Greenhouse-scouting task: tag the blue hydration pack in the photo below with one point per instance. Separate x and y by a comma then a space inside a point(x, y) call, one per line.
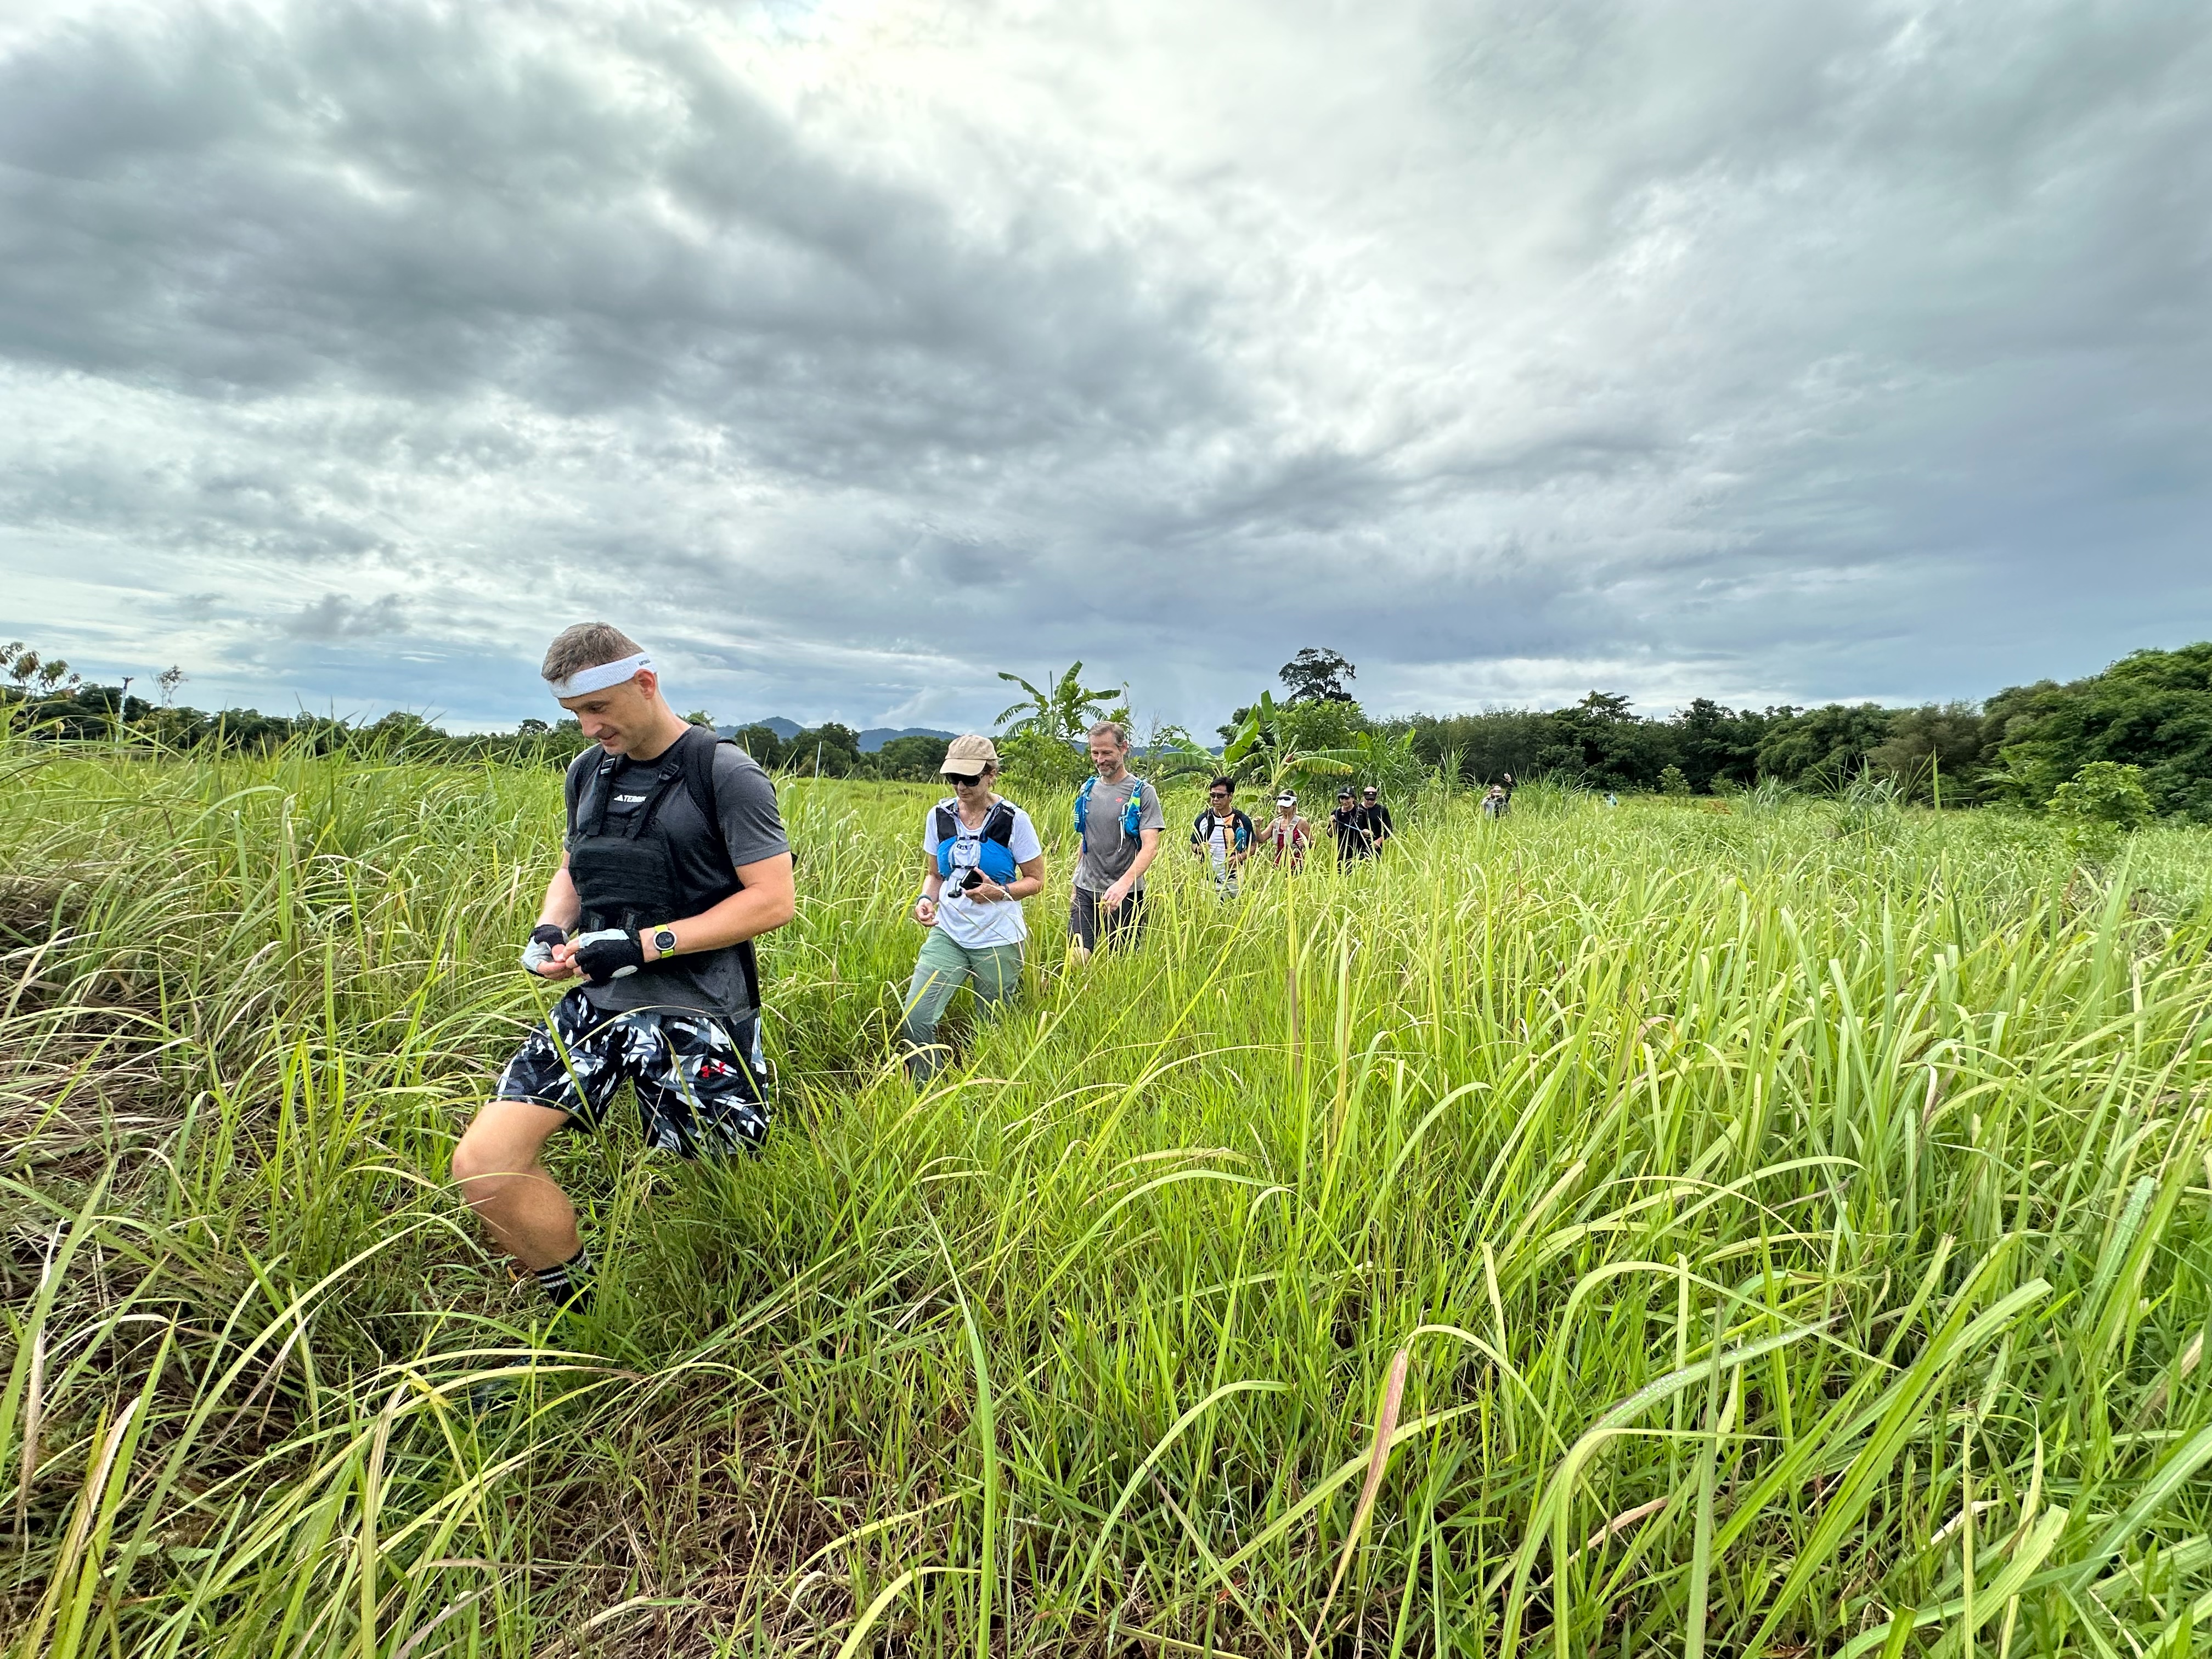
point(994, 854)
point(1133, 810)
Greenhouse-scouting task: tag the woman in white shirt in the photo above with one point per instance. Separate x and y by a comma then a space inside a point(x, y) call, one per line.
point(984, 858)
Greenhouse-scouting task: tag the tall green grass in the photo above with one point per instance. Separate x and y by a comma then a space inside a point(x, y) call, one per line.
point(1649, 1231)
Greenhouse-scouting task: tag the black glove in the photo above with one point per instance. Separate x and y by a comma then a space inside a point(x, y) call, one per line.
point(609, 954)
point(539, 951)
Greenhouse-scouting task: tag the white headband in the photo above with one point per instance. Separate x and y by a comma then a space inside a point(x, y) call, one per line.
point(600, 679)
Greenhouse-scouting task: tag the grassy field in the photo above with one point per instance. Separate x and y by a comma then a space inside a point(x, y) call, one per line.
point(1656, 1230)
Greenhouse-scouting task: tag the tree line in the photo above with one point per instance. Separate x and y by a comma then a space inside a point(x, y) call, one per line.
point(2151, 710)
point(2149, 713)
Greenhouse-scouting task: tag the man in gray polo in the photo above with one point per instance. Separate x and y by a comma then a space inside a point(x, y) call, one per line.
point(1118, 821)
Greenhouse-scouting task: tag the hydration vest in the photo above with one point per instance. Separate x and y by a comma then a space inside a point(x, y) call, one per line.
point(1201, 828)
point(994, 854)
point(1133, 810)
point(628, 876)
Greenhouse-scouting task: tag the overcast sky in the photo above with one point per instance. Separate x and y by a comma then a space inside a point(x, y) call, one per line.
point(846, 354)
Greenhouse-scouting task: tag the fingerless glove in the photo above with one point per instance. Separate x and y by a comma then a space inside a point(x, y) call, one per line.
point(539, 951)
point(608, 955)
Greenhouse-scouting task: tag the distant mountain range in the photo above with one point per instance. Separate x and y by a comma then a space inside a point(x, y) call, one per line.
point(877, 736)
point(870, 740)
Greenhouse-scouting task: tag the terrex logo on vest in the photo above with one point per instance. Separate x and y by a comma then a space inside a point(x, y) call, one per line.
point(628, 800)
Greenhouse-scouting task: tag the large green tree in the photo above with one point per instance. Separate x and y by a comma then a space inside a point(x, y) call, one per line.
point(761, 743)
point(1600, 743)
point(915, 758)
point(1934, 748)
point(1714, 744)
point(1824, 745)
point(2151, 709)
point(834, 748)
point(1317, 674)
point(1479, 748)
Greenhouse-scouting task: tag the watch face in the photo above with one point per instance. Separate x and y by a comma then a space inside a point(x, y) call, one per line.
point(664, 941)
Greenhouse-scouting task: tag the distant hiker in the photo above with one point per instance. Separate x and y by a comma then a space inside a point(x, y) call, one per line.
point(1223, 833)
point(675, 861)
point(1494, 801)
point(1288, 833)
point(1118, 825)
point(1505, 782)
point(983, 858)
point(1344, 823)
point(1374, 825)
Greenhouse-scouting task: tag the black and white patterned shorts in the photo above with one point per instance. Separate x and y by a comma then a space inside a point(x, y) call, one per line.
point(702, 1083)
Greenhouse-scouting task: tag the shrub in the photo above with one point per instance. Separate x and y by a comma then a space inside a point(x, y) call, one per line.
point(2102, 802)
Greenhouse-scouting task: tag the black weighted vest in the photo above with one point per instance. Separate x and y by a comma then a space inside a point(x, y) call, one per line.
point(626, 875)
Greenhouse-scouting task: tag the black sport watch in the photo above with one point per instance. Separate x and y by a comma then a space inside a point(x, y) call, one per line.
point(664, 940)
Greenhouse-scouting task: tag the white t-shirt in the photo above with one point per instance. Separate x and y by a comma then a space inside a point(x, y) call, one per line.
point(1219, 840)
point(970, 923)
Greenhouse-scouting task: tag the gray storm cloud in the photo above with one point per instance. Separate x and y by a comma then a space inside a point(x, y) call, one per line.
point(852, 353)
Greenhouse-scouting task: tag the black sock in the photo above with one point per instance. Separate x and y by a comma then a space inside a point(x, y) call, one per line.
point(569, 1282)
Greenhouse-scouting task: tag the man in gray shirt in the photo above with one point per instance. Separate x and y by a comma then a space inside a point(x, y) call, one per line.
point(675, 861)
point(1118, 820)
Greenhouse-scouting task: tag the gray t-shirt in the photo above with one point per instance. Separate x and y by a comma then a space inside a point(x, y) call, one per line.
point(1108, 857)
point(713, 981)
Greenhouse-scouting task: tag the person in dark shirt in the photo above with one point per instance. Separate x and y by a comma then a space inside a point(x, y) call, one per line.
point(675, 861)
point(1374, 825)
point(1344, 824)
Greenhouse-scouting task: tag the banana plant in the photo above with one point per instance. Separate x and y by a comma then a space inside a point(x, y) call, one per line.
point(1172, 753)
point(1388, 763)
point(1258, 750)
point(1063, 712)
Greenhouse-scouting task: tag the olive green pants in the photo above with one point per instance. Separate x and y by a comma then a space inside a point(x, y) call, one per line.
point(942, 968)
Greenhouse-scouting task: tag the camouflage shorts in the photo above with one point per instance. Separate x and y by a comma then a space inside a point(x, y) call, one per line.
point(702, 1083)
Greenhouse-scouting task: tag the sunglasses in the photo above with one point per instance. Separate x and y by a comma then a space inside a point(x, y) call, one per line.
point(1217, 794)
point(963, 780)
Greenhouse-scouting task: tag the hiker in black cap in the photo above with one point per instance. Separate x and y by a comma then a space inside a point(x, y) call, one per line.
point(1346, 824)
point(1374, 825)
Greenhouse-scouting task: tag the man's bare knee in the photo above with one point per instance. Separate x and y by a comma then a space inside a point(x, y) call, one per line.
point(502, 1149)
point(483, 1189)
point(478, 1160)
